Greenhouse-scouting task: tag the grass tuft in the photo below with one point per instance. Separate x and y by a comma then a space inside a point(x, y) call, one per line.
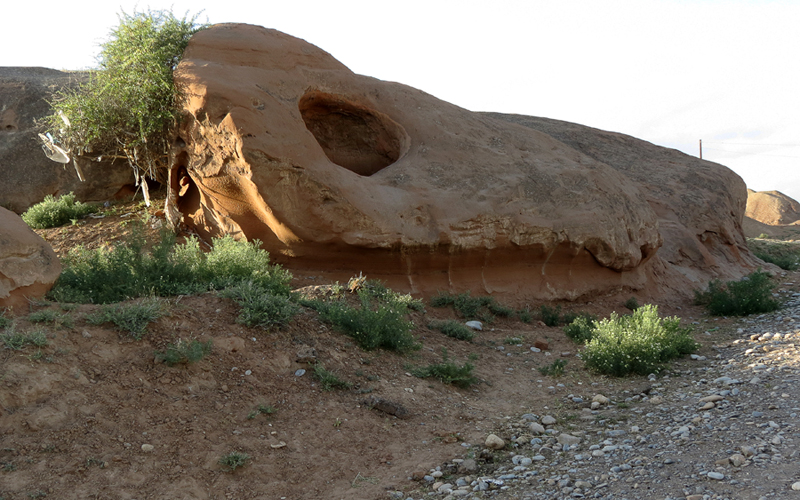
point(448, 372)
point(260, 307)
point(132, 318)
point(234, 460)
point(183, 352)
point(329, 380)
point(453, 329)
point(15, 340)
point(555, 369)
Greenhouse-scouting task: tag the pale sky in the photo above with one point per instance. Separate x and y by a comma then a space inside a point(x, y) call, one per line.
point(669, 72)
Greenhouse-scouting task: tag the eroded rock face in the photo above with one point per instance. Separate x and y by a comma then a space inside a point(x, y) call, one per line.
point(699, 204)
point(28, 175)
point(772, 208)
point(28, 265)
point(341, 172)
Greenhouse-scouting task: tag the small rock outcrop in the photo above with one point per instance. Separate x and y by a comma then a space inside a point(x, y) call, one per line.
point(28, 175)
point(339, 172)
point(28, 265)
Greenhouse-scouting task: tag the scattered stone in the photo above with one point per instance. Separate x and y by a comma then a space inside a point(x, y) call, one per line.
point(548, 420)
point(386, 406)
point(147, 448)
point(493, 442)
point(737, 460)
point(541, 345)
point(716, 475)
point(796, 486)
point(599, 398)
point(307, 355)
point(536, 428)
point(475, 325)
point(568, 439)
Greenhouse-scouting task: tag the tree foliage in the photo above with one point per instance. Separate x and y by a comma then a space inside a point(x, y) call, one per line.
point(130, 105)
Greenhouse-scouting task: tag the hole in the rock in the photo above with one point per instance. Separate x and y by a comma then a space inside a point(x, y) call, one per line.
point(353, 136)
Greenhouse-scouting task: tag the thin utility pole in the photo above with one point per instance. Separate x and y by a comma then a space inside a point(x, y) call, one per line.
point(701, 149)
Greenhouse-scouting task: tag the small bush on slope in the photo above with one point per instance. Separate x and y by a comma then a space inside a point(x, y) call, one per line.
point(54, 212)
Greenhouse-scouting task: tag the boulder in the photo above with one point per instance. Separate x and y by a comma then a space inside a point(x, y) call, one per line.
point(343, 173)
point(27, 173)
point(28, 265)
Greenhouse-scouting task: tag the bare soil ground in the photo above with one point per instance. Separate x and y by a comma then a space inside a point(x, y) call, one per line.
point(75, 415)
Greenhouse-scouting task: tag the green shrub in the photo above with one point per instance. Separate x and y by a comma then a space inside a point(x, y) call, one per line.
point(448, 372)
point(183, 352)
point(329, 380)
point(54, 212)
point(750, 295)
point(453, 329)
point(132, 318)
point(382, 326)
point(126, 271)
point(525, 315)
point(581, 328)
point(468, 307)
point(784, 254)
point(15, 340)
point(131, 105)
point(555, 369)
point(632, 304)
point(377, 290)
point(637, 344)
point(234, 460)
point(550, 316)
point(260, 307)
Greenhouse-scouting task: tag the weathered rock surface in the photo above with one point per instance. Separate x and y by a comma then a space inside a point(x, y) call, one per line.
point(341, 172)
point(28, 175)
point(772, 207)
point(28, 265)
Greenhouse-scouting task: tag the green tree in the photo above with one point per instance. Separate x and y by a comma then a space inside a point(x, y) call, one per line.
point(129, 107)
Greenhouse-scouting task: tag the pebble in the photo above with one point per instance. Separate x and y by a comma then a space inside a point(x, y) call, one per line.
point(475, 325)
point(493, 442)
point(748, 433)
point(147, 448)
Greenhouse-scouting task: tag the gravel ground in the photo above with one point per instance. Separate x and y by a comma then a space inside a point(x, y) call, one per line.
point(726, 427)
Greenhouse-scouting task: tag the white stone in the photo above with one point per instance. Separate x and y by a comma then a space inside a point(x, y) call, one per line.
point(796, 486)
point(475, 325)
point(548, 420)
point(493, 442)
point(716, 475)
point(147, 448)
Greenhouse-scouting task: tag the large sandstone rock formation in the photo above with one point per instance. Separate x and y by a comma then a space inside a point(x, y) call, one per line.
point(28, 175)
point(341, 172)
point(28, 265)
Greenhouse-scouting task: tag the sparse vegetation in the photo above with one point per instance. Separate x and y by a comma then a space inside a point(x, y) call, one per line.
point(127, 271)
point(632, 304)
point(381, 326)
point(129, 106)
point(17, 340)
point(51, 316)
point(329, 380)
point(132, 318)
point(555, 369)
point(234, 460)
point(784, 254)
point(4, 322)
point(750, 295)
point(468, 307)
point(453, 329)
point(261, 307)
point(448, 372)
point(262, 409)
point(640, 343)
point(184, 352)
point(55, 212)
